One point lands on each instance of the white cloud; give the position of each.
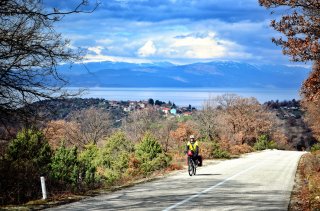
(144, 29)
(96, 49)
(101, 58)
(171, 46)
(148, 49)
(306, 66)
(177, 78)
(98, 56)
(203, 46)
(200, 48)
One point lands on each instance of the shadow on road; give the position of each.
(208, 174)
(156, 196)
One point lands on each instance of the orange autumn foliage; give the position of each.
(300, 26)
(61, 130)
(182, 133)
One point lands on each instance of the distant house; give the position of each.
(142, 105)
(126, 109)
(132, 103)
(166, 110)
(173, 111)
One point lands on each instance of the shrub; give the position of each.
(115, 156)
(314, 188)
(148, 149)
(310, 171)
(212, 149)
(30, 147)
(205, 148)
(133, 167)
(240, 149)
(111, 176)
(27, 158)
(88, 162)
(161, 161)
(178, 159)
(315, 147)
(149, 153)
(65, 165)
(264, 143)
(220, 153)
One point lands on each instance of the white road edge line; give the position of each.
(209, 189)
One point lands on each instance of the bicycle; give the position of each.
(192, 165)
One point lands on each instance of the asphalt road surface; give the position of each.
(256, 181)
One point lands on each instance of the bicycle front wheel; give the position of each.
(190, 166)
(194, 171)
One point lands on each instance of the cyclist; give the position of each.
(193, 146)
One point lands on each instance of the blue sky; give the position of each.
(177, 31)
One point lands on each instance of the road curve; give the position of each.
(256, 181)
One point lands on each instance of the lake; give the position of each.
(186, 96)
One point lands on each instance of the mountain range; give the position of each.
(222, 74)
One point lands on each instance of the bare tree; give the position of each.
(236, 119)
(60, 131)
(206, 120)
(167, 126)
(141, 121)
(30, 51)
(94, 124)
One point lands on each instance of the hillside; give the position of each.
(292, 123)
(289, 113)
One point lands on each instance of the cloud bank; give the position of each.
(177, 31)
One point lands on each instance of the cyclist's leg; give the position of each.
(196, 160)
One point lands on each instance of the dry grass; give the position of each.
(240, 149)
(306, 194)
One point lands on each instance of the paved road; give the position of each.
(257, 181)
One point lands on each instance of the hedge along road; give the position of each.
(256, 181)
